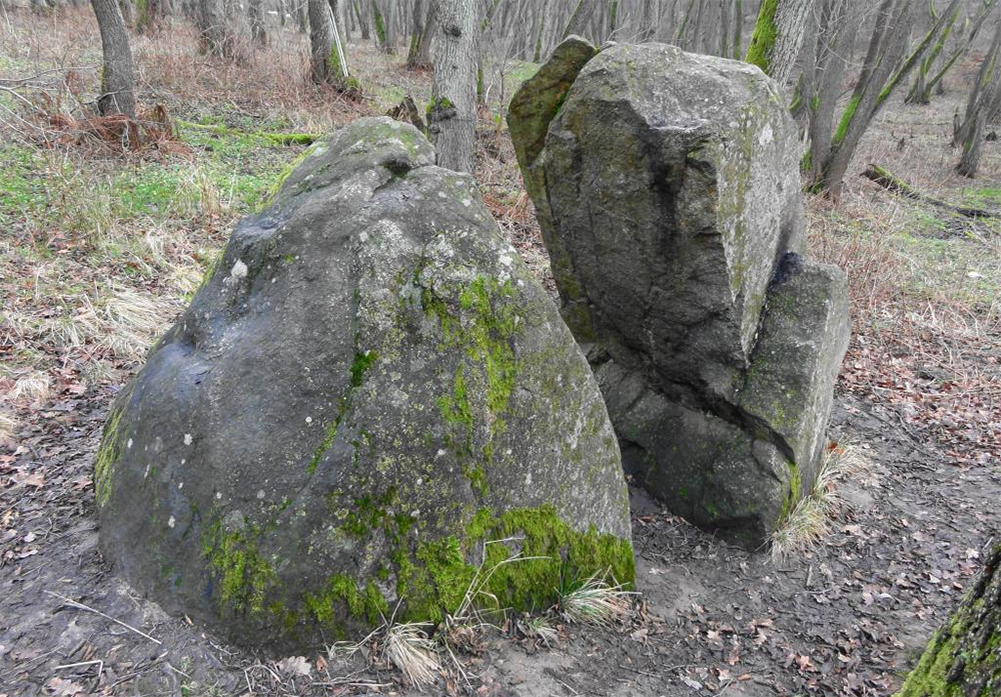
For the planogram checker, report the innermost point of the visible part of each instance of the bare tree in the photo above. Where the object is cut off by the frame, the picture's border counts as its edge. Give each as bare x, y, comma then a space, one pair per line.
117, 77
452, 112
216, 36
424, 23
149, 15
256, 15
984, 100
580, 19
327, 60
383, 16
885, 66
919, 92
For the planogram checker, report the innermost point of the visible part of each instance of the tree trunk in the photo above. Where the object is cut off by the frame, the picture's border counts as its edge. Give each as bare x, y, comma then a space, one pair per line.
321, 40
419, 56
962, 657
215, 35
117, 79
256, 15
580, 19
738, 27
362, 18
778, 36
879, 78
452, 113
979, 21
302, 15
127, 13
648, 21
385, 27
985, 99
988, 70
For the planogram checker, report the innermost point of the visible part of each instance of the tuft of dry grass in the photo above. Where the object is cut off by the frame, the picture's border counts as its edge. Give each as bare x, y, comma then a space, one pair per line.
596, 603
414, 653
32, 387
810, 520
539, 628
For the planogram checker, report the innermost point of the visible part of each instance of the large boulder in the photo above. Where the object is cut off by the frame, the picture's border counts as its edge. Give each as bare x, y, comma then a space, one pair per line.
369, 388
667, 189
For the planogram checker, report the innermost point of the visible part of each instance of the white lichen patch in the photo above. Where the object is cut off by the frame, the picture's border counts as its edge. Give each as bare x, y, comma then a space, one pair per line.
239, 271
766, 136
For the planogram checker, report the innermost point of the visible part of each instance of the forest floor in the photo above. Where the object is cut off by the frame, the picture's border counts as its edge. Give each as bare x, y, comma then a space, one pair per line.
100, 250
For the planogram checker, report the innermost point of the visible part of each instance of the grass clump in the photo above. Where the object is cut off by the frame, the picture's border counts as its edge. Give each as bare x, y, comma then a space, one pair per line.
596, 602
809, 522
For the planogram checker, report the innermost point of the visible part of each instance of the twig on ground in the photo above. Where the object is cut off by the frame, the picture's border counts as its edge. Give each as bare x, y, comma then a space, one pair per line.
80, 606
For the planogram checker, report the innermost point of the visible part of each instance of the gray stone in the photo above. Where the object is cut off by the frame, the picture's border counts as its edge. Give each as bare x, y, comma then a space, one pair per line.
369, 387
804, 334
668, 191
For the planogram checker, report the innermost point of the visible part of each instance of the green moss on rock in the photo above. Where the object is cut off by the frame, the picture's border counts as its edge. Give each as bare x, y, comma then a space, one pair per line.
111, 448
243, 574
963, 658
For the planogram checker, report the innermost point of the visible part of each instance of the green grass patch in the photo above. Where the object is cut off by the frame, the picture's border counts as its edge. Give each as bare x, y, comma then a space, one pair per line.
987, 197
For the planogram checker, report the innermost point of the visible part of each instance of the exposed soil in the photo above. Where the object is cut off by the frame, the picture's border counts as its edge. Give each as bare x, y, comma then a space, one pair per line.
847, 620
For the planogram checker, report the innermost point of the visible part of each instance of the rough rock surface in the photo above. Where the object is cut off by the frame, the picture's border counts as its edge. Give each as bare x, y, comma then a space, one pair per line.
369, 387
668, 193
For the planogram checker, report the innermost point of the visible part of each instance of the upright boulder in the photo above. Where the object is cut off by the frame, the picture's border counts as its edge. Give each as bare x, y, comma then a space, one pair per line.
668, 192
369, 388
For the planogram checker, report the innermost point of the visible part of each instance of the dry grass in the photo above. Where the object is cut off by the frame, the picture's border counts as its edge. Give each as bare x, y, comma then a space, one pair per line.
414, 653
810, 521
596, 603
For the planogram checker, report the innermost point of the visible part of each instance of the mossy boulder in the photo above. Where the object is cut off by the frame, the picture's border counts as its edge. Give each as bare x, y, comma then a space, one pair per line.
369, 388
668, 192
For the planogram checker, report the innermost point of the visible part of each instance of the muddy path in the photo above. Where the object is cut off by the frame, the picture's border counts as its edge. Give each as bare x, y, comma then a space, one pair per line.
846, 620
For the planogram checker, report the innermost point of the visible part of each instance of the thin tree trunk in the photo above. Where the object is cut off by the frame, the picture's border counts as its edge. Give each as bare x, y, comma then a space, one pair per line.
452, 114
215, 34
580, 18
256, 15
725, 6
127, 12
362, 18
979, 21
301, 15
419, 56
738, 27
879, 78
985, 99
648, 21
117, 78
974, 103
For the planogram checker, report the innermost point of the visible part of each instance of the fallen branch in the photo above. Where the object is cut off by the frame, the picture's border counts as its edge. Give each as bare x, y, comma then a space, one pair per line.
899, 186
80, 606
277, 138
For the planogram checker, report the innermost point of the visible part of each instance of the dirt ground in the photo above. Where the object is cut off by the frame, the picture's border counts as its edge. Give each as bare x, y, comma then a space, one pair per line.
712, 619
